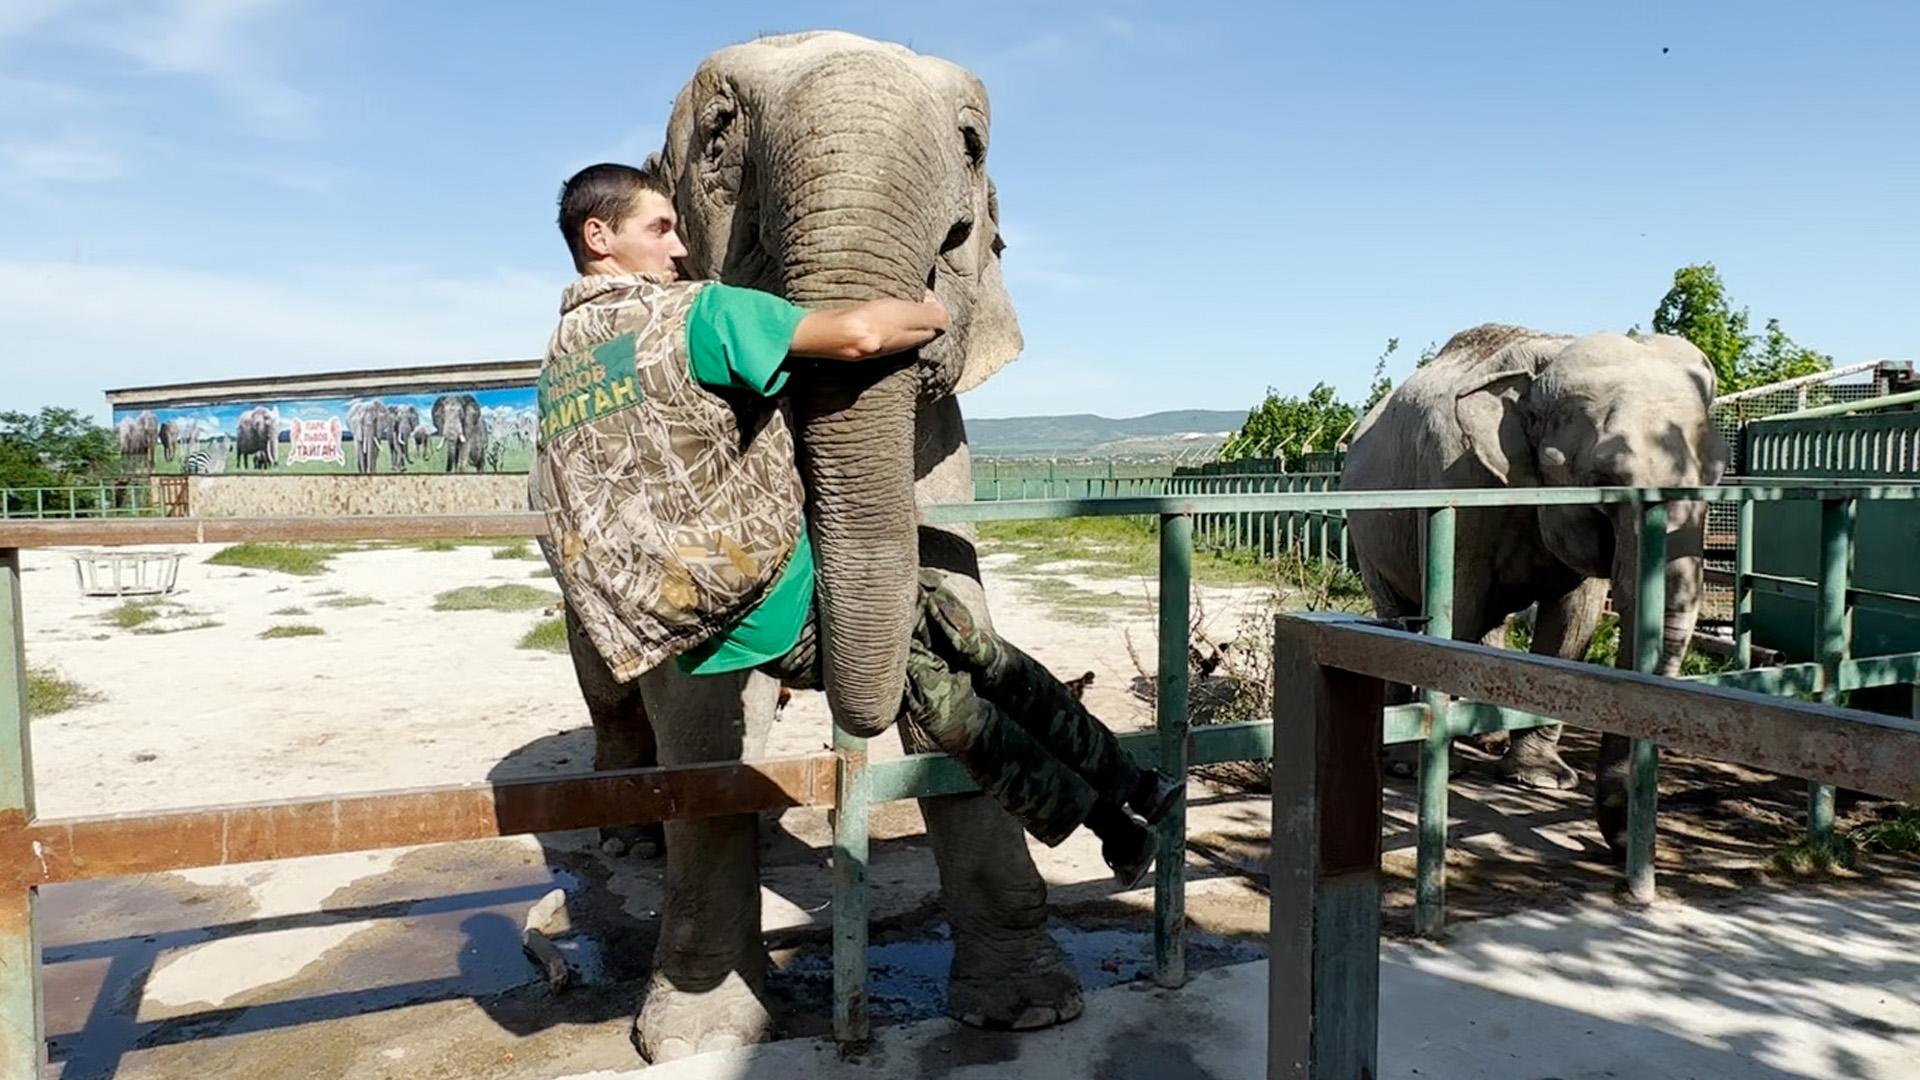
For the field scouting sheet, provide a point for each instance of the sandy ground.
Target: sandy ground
(406, 963)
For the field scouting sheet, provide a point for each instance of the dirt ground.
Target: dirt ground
(407, 963)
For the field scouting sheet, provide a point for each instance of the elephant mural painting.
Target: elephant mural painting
(831, 169)
(256, 440)
(1502, 406)
(138, 435)
(462, 429)
(370, 423)
(404, 422)
(421, 436)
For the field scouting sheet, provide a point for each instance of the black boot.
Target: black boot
(1127, 846)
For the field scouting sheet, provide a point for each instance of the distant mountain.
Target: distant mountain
(1181, 432)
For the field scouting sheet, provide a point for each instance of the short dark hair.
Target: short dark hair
(606, 191)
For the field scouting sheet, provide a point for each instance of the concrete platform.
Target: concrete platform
(1823, 985)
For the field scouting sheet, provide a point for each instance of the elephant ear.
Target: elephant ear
(993, 330)
(1492, 421)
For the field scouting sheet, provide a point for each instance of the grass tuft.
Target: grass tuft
(306, 560)
(548, 636)
(349, 601)
(495, 598)
(295, 610)
(519, 549)
(1897, 835)
(49, 692)
(197, 624)
(134, 614)
(289, 630)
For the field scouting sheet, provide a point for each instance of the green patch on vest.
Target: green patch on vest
(584, 386)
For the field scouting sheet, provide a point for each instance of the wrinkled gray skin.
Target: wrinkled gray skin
(1502, 406)
(256, 440)
(462, 430)
(370, 424)
(831, 169)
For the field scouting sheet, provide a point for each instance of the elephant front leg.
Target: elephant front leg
(1564, 628)
(1008, 973)
(622, 736)
(709, 972)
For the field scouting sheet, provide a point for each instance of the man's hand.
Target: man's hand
(874, 328)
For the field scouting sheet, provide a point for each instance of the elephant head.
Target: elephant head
(1608, 411)
(831, 169)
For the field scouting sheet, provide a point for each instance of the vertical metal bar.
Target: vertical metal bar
(1836, 553)
(1323, 971)
(1170, 869)
(850, 851)
(1743, 588)
(1436, 750)
(1648, 634)
(1321, 485)
(22, 1017)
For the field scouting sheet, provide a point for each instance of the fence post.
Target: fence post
(850, 851)
(1170, 868)
(1835, 614)
(1640, 647)
(1743, 588)
(1436, 750)
(22, 1017)
(1323, 967)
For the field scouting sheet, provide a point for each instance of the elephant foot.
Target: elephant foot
(676, 1023)
(1547, 773)
(1046, 993)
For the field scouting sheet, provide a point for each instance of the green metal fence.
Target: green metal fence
(36, 852)
(997, 479)
(1882, 447)
(87, 501)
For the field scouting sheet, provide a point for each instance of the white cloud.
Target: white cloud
(74, 331)
(74, 159)
(220, 41)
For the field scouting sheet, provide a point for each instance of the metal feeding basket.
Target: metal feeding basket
(126, 573)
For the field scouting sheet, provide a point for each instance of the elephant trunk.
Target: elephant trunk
(1684, 574)
(859, 215)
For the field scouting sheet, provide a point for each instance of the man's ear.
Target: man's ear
(596, 238)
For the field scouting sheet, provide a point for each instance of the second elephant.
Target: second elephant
(1504, 406)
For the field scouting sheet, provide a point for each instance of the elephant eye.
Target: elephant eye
(998, 245)
(976, 145)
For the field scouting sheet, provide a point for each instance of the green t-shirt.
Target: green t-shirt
(737, 339)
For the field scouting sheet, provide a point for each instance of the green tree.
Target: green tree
(1697, 308)
(1288, 427)
(1382, 386)
(54, 448)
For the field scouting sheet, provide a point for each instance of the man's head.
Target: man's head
(619, 220)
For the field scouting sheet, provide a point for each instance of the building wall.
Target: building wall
(324, 494)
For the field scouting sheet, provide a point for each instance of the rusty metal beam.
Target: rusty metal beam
(1864, 751)
(73, 849)
(189, 530)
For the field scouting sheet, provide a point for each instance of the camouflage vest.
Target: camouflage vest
(670, 509)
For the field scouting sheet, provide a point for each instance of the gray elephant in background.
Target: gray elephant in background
(370, 424)
(1503, 406)
(830, 169)
(421, 436)
(462, 430)
(169, 439)
(403, 422)
(256, 440)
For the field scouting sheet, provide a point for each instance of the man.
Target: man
(666, 468)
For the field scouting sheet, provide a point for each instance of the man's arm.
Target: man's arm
(864, 331)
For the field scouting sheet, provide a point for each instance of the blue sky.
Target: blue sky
(1200, 199)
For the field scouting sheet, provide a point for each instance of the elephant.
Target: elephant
(370, 424)
(1505, 406)
(257, 438)
(830, 169)
(138, 437)
(462, 430)
(404, 422)
(169, 440)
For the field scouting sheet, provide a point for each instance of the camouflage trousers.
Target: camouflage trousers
(1014, 727)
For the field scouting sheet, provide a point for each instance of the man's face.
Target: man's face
(644, 242)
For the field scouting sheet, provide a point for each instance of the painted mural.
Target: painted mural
(475, 431)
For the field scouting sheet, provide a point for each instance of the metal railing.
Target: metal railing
(1324, 956)
(36, 852)
(79, 501)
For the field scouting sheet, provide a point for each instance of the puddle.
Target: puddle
(907, 980)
